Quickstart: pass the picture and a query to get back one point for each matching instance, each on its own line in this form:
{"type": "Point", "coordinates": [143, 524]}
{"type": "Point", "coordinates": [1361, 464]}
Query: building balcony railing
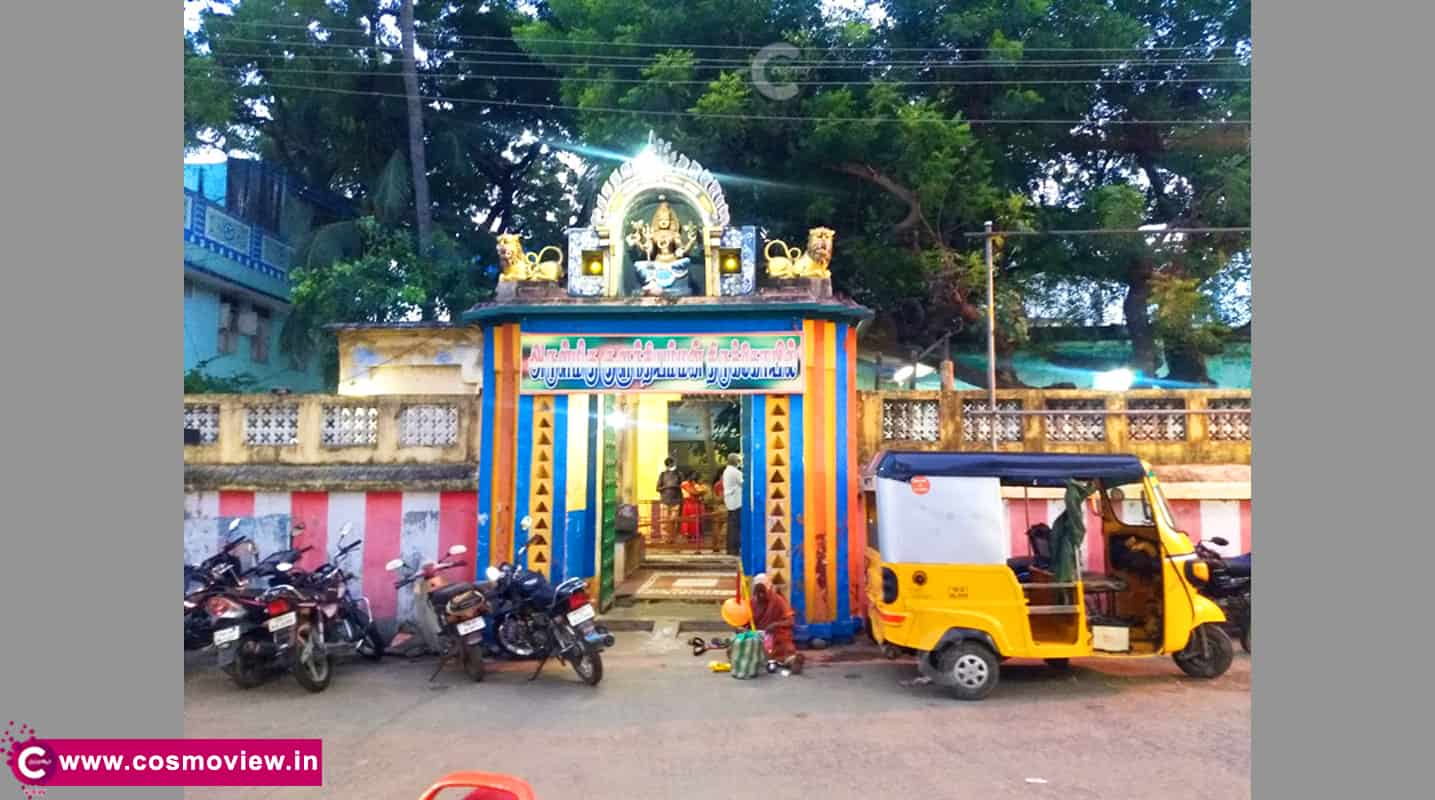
{"type": "Point", "coordinates": [217, 230]}
{"type": "Point", "coordinates": [1163, 426]}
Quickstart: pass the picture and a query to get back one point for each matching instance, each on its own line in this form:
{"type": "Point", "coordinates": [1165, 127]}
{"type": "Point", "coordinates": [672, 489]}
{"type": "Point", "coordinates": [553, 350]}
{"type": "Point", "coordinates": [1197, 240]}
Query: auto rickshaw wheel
{"type": "Point", "coordinates": [971, 669]}
{"type": "Point", "coordinates": [1208, 654]}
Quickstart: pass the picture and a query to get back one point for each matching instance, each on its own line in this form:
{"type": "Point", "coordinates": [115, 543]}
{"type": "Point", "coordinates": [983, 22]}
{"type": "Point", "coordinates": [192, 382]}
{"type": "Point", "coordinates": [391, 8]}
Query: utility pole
{"type": "Point", "coordinates": [991, 338]}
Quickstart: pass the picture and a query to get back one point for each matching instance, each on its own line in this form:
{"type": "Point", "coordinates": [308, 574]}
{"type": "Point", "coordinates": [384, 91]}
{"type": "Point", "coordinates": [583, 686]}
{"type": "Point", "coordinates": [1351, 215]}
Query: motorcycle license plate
{"type": "Point", "coordinates": [469, 626]}
{"type": "Point", "coordinates": [226, 635]}
{"type": "Point", "coordinates": [578, 616]}
{"type": "Point", "coordinates": [281, 622]}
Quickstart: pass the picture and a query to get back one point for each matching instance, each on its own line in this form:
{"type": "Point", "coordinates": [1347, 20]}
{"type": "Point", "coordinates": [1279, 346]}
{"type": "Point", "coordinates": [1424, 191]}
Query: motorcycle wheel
{"type": "Point", "coordinates": [313, 667]}
{"type": "Point", "coordinates": [371, 646]}
{"type": "Point", "coordinates": [589, 666]}
{"type": "Point", "coordinates": [246, 672]}
{"type": "Point", "coordinates": [513, 636]}
{"type": "Point", "coordinates": [473, 661]}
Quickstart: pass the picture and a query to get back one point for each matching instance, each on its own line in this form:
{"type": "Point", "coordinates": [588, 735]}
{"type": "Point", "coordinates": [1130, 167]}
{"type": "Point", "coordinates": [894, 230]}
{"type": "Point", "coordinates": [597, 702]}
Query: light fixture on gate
{"type": "Point", "coordinates": [593, 262]}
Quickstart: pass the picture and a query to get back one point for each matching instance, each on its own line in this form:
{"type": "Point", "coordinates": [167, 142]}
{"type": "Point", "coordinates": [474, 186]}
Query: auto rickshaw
{"type": "Point", "coordinates": [942, 583]}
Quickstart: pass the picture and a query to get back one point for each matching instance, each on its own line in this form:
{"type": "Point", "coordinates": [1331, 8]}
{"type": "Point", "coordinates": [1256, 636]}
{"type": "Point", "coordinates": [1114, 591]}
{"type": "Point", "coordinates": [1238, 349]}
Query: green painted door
{"type": "Point", "coordinates": [608, 442]}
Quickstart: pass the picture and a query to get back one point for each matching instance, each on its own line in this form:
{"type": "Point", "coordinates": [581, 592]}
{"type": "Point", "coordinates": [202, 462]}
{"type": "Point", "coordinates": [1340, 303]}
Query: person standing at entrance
{"type": "Point", "coordinates": [670, 495]}
{"type": "Point", "coordinates": [732, 499]}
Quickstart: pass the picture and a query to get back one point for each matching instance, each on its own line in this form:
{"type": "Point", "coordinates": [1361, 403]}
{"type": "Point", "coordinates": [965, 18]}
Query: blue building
{"type": "Point", "coordinates": [242, 221]}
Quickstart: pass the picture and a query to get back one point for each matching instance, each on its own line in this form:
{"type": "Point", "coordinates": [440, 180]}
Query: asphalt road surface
{"type": "Point", "coordinates": [661, 725]}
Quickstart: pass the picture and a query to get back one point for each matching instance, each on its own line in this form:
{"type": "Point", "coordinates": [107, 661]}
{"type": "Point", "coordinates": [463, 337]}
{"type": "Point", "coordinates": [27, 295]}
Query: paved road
{"type": "Point", "coordinates": [660, 725]}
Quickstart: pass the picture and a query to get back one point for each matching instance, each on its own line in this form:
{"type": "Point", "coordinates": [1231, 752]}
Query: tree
{"type": "Point", "coordinates": [417, 163]}
{"type": "Point", "coordinates": [318, 89]}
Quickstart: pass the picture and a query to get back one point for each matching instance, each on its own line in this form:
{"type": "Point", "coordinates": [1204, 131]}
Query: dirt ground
{"type": "Point", "coordinates": [661, 725]}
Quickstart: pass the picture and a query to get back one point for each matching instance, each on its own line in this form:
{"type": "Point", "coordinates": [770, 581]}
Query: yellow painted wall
{"type": "Point", "coordinates": [432, 361]}
{"type": "Point", "coordinates": [577, 455]}
{"type": "Point", "coordinates": [650, 421]}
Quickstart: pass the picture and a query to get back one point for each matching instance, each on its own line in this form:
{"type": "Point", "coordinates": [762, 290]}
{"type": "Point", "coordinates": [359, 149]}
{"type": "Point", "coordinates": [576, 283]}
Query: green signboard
{"type": "Point", "coordinates": [751, 363]}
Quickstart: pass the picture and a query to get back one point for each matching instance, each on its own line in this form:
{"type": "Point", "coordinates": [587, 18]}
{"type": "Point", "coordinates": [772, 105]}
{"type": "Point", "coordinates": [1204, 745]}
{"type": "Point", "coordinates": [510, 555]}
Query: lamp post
{"type": "Point", "coordinates": [991, 339]}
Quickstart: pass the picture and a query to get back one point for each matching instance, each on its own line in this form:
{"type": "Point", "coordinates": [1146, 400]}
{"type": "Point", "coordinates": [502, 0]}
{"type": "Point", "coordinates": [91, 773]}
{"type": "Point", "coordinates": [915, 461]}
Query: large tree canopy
{"type": "Point", "coordinates": [904, 125]}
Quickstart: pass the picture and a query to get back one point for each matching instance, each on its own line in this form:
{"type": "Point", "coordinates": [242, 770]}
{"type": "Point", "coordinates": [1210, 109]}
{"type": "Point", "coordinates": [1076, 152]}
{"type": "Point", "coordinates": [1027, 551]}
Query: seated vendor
{"type": "Point", "coordinates": [773, 616]}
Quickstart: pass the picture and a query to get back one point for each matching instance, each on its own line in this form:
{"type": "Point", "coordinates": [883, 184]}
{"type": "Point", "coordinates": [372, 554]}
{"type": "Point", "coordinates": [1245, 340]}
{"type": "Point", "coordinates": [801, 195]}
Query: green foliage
{"type": "Point", "coordinates": [386, 281]}
{"type": "Point", "coordinates": [890, 153]}
{"type": "Point", "coordinates": [197, 381]}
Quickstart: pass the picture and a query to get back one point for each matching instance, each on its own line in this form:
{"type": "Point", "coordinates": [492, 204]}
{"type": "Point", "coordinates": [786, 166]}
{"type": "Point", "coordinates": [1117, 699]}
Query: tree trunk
{"type": "Point", "coordinates": [1187, 364]}
{"type": "Point", "coordinates": [417, 161]}
{"type": "Point", "coordinates": [1138, 320]}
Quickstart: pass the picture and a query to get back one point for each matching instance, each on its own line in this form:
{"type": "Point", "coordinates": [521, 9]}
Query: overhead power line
{"type": "Point", "coordinates": [707, 81]}
{"type": "Point", "coordinates": [1104, 232]}
{"type": "Point", "coordinates": [765, 117]}
{"type": "Point", "coordinates": [595, 58]}
{"type": "Point", "coordinates": [319, 27]}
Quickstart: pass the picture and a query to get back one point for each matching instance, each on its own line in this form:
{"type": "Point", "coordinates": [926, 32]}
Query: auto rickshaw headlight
{"type": "Point", "coordinates": [1199, 571]}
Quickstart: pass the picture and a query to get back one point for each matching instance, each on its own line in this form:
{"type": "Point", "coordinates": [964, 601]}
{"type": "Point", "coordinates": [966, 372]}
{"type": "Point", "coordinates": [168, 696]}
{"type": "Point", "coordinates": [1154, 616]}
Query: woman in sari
{"type": "Point", "coordinates": [774, 617]}
{"type": "Point", "coordinates": [693, 491]}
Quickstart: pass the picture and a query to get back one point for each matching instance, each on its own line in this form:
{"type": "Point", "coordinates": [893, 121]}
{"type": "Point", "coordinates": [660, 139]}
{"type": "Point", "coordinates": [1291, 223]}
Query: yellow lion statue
{"type": "Point", "coordinates": [789, 262]}
{"type": "Point", "coordinates": [517, 265]}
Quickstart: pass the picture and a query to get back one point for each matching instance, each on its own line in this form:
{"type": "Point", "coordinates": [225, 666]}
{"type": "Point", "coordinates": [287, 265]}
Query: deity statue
{"type": "Point", "coordinates": [664, 243]}
{"type": "Point", "coordinates": [789, 262]}
{"type": "Point", "coordinates": [516, 265]}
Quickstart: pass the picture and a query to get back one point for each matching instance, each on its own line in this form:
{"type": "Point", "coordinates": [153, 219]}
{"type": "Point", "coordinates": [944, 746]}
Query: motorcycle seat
{"type": "Point", "coordinates": [441, 597]}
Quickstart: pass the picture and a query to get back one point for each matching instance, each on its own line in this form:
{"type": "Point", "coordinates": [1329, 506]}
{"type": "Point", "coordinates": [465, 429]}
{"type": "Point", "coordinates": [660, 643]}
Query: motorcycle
{"type": "Point", "coordinates": [452, 616]}
{"type": "Point", "coordinates": [218, 572]}
{"type": "Point", "coordinates": [1230, 586]}
{"type": "Point", "coordinates": [548, 621]}
{"type": "Point", "coordinates": [258, 630]}
{"type": "Point", "coordinates": [348, 620]}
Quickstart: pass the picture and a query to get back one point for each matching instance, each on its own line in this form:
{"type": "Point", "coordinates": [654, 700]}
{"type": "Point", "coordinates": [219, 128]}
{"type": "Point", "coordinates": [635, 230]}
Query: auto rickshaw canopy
{"type": "Point", "coordinates": [1025, 469]}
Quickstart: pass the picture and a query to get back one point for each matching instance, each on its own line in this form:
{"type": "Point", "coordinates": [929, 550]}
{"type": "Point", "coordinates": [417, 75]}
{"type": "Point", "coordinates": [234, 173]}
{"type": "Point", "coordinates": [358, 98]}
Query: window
{"type": "Point", "coordinates": [259, 342]}
{"type": "Point", "coordinates": [228, 325]}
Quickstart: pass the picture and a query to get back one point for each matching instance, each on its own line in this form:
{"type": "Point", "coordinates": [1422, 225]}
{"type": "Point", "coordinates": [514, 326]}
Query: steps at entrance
{"type": "Point", "coordinates": [703, 562]}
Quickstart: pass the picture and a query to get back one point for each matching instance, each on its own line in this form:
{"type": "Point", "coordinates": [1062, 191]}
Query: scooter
{"type": "Point", "coordinates": [1230, 586]}
{"type": "Point", "coordinates": [451, 616]}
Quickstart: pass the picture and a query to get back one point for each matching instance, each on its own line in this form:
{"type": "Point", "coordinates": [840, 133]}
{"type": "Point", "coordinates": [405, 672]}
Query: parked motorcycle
{"type": "Point", "coordinates": [348, 621]}
{"type": "Point", "coordinates": [548, 621]}
{"type": "Point", "coordinates": [219, 572]}
{"type": "Point", "coordinates": [1230, 586]}
{"type": "Point", "coordinates": [452, 615]}
{"type": "Point", "coordinates": [279, 627]}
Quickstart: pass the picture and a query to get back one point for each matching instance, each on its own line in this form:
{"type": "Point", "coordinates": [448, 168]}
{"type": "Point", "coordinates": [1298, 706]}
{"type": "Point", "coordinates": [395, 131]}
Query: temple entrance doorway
{"type": "Point", "coordinates": [681, 520]}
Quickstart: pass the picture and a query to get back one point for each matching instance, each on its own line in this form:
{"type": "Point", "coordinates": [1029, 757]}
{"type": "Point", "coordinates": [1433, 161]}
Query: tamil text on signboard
{"type": "Point", "coordinates": [752, 363]}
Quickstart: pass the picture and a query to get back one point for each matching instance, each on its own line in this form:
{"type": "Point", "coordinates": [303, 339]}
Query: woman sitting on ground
{"type": "Point", "coordinates": [772, 615]}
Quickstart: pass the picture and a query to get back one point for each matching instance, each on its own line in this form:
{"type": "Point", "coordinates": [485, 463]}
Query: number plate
{"type": "Point", "coordinates": [579, 616]}
{"type": "Point", "coordinates": [469, 626]}
{"type": "Point", "coordinates": [281, 622]}
{"type": "Point", "coordinates": [226, 635]}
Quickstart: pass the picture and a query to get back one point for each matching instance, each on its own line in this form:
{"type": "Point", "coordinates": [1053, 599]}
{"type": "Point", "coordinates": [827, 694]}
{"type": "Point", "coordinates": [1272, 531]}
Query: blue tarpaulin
{"type": "Point", "coordinates": [1026, 469]}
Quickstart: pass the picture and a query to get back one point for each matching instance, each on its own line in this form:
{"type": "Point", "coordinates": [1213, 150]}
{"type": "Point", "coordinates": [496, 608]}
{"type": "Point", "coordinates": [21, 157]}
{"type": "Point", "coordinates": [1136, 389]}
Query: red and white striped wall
{"type": "Point", "coordinates": [1197, 518]}
{"type": "Point", "coordinates": [390, 524]}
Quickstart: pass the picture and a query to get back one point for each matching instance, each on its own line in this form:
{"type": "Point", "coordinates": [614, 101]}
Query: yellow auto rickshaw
{"type": "Point", "coordinates": [942, 583]}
